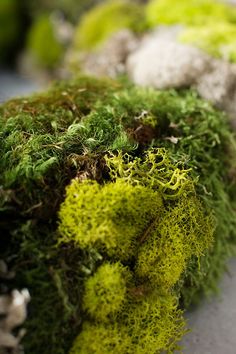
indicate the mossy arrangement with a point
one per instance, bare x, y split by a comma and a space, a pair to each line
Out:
209, 24
105, 19
116, 211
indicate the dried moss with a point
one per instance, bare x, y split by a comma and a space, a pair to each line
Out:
88, 131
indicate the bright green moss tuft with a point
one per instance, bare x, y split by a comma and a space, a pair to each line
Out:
217, 39
105, 292
110, 218
43, 44
102, 339
188, 12
105, 19
183, 232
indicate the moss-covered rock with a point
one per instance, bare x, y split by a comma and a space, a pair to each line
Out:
116, 210
105, 19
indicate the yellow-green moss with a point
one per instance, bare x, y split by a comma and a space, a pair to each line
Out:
105, 292
43, 44
188, 12
217, 39
184, 231
102, 339
110, 218
103, 20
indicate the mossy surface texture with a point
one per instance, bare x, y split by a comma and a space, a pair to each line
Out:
116, 211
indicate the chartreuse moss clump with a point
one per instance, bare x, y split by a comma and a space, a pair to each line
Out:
43, 43
217, 39
105, 19
188, 12
116, 211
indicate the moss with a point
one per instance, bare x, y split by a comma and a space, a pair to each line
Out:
120, 216
216, 39
105, 292
104, 19
43, 44
128, 201
102, 339
188, 12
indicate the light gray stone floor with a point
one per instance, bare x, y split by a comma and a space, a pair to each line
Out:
213, 323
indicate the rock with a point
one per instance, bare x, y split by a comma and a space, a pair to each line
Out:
218, 84
163, 63
110, 60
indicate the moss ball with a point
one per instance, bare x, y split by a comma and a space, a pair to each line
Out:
106, 291
188, 12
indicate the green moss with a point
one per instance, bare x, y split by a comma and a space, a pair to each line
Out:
121, 214
217, 39
105, 19
188, 12
105, 292
184, 231
91, 185
43, 44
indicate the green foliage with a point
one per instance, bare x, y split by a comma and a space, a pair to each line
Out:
137, 215
105, 292
105, 19
188, 12
43, 44
217, 39
118, 214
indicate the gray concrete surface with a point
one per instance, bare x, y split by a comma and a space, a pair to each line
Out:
213, 323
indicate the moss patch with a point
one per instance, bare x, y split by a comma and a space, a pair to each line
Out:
92, 184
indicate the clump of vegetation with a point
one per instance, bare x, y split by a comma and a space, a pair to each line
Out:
217, 39
188, 12
43, 43
105, 19
116, 210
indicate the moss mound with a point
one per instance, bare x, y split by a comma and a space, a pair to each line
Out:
188, 12
43, 44
114, 226
105, 19
216, 39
